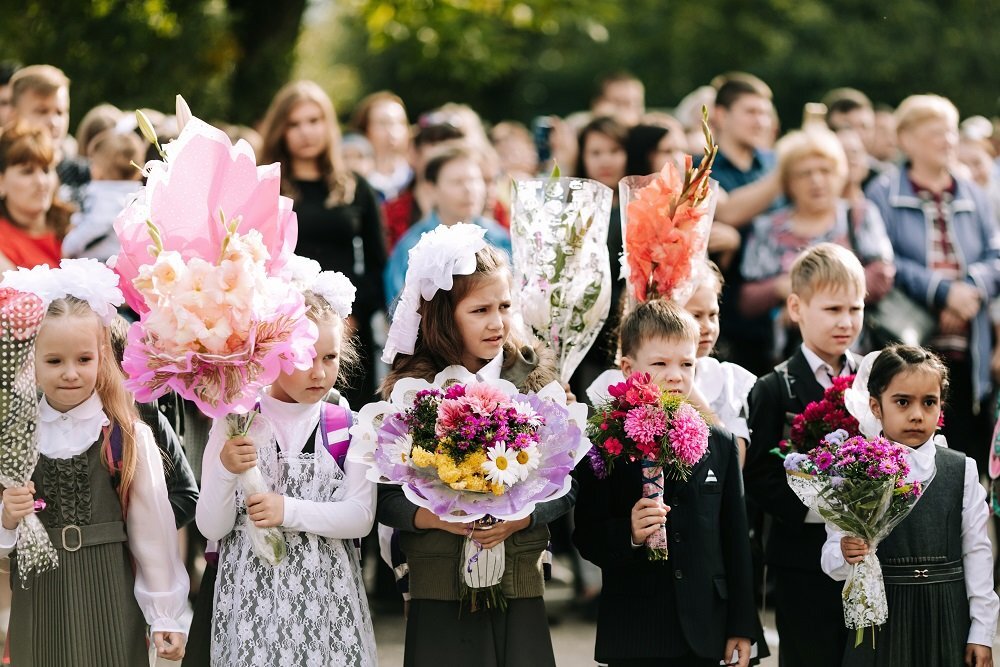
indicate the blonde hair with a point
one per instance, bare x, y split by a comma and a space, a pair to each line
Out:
917, 109
320, 312
827, 266
814, 142
659, 318
118, 403
339, 180
42, 79
116, 153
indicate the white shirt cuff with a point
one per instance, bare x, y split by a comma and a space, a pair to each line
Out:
8, 538
981, 634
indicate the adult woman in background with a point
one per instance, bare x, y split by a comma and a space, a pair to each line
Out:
340, 224
947, 243
813, 171
32, 221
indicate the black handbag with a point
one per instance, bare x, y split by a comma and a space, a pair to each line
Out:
895, 318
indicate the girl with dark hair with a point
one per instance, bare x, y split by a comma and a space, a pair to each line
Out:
937, 564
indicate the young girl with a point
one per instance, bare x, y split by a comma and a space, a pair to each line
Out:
456, 309
311, 608
720, 388
937, 564
106, 506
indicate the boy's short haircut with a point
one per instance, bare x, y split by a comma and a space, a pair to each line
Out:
734, 85
658, 318
117, 153
44, 80
827, 266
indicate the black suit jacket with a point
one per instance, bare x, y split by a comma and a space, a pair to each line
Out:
699, 597
774, 401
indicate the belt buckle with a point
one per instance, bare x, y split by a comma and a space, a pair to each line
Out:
920, 574
79, 538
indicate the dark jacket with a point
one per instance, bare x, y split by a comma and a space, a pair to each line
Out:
181, 487
434, 556
699, 597
774, 402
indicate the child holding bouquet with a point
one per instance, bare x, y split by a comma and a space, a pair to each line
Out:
456, 310
827, 301
697, 607
99, 491
937, 563
311, 607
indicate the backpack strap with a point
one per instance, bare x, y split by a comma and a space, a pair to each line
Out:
113, 450
335, 424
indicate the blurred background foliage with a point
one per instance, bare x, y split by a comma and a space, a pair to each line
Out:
508, 59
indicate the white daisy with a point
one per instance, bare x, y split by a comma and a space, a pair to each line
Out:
398, 451
527, 459
502, 467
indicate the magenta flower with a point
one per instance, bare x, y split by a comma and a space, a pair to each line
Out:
645, 424
688, 435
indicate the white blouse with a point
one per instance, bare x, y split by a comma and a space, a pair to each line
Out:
292, 424
977, 553
161, 583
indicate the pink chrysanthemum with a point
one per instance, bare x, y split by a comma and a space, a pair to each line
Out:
482, 398
645, 424
688, 435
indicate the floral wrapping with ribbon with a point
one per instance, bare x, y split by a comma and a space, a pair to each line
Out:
660, 429
21, 316
472, 450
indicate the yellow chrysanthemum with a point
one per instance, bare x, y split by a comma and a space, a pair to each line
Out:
421, 457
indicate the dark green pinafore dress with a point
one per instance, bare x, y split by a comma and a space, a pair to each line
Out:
84, 612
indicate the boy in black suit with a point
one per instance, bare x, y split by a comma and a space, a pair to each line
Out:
697, 607
827, 301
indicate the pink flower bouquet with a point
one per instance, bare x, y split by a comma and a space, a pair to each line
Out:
861, 487
203, 248
641, 422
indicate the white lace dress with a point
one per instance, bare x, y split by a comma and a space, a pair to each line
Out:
309, 610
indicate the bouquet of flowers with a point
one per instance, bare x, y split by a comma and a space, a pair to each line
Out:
641, 422
20, 318
562, 272
858, 485
666, 220
204, 246
469, 450
811, 426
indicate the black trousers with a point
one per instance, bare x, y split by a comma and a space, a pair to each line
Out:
810, 618
684, 661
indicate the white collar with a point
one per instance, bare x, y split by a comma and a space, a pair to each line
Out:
816, 364
90, 408
491, 371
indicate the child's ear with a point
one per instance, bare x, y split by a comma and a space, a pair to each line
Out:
626, 365
875, 407
793, 303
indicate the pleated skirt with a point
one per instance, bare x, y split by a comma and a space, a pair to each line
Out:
83, 613
438, 633
928, 626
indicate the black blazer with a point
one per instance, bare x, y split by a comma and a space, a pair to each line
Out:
774, 401
703, 594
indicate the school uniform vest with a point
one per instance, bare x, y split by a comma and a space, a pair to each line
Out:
924, 580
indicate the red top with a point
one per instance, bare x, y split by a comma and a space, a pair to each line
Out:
21, 249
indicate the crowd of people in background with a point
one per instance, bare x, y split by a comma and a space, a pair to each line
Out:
913, 191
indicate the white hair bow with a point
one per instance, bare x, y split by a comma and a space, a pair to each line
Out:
856, 399
86, 279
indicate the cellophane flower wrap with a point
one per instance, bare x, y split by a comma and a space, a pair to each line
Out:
641, 422
666, 220
204, 245
820, 418
859, 486
472, 450
20, 318
562, 272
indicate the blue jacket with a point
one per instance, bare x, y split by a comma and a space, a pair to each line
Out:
394, 274
973, 226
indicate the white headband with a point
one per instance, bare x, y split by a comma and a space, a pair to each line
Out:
86, 279
439, 256
856, 399
336, 288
